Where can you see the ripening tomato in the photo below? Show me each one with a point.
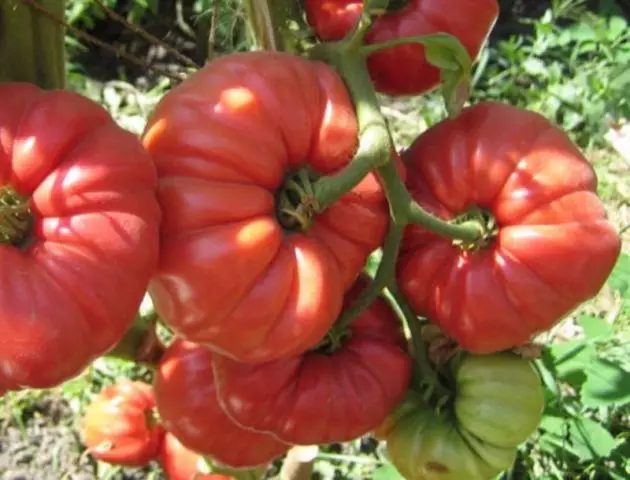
(424, 445)
(187, 403)
(120, 427)
(323, 396)
(549, 245)
(238, 275)
(404, 69)
(79, 233)
(499, 398)
(181, 463)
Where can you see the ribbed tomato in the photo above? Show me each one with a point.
(234, 275)
(404, 69)
(181, 463)
(549, 245)
(499, 398)
(323, 396)
(188, 407)
(119, 425)
(78, 233)
(424, 445)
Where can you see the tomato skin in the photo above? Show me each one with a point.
(554, 248)
(181, 463)
(319, 397)
(404, 70)
(230, 278)
(500, 399)
(118, 428)
(187, 403)
(69, 295)
(423, 445)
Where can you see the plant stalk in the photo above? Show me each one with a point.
(32, 44)
(273, 24)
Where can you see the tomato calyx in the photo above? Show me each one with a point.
(16, 217)
(334, 340)
(486, 224)
(296, 202)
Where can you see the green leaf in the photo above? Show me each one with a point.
(581, 437)
(620, 277)
(606, 384)
(595, 327)
(387, 472)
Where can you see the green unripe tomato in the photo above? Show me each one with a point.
(426, 446)
(499, 398)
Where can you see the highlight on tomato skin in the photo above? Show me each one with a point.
(85, 238)
(549, 245)
(224, 161)
(404, 70)
(119, 425)
(181, 463)
(188, 407)
(306, 400)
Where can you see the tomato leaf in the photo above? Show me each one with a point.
(387, 472)
(606, 384)
(620, 277)
(581, 437)
(595, 327)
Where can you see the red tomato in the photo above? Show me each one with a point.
(322, 397)
(554, 247)
(181, 463)
(71, 284)
(231, 277)
(404, 70)
(119, 425)
(189, 409)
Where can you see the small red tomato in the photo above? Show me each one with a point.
(549, 247)
(187, 403)
(404, 69)
(181, 463)
(323, 396)
(119, 426)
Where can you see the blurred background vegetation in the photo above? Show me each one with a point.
(567, 59)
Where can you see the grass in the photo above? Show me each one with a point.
(542, 72)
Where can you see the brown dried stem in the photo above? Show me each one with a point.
(146, 35)
(105, 46)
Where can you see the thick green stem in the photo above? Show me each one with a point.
(375, 146)
(32, 44)
(141, 343)
(428, 376)
(274, 24)
(468, 232)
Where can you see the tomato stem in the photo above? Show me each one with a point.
(444, 51)
(31, 44)
(141, 343)
(433, 388)
(374, 138)
(275, 24)
(16, 218)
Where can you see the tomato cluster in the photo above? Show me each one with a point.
(248, 209)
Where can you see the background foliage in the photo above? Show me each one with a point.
(567, 59)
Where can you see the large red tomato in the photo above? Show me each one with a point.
(119, 426)
(404, 69)
(323, 396)
(552, 247)
(78, 233)
(181, 463)
(187, 403)
(232, 276)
